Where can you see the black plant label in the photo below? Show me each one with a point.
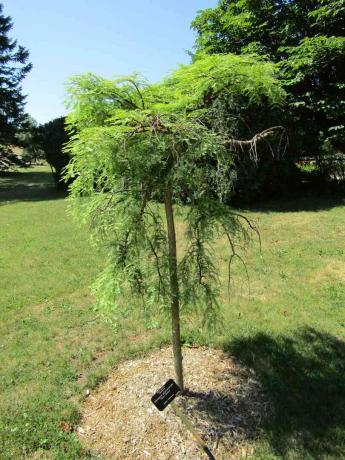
(167, 393)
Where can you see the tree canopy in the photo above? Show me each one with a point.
(133, 142)
(307, 40)
(14, 66)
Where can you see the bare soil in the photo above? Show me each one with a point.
(224, 403)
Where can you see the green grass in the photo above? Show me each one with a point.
(53, 345)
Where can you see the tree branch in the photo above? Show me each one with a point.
(258, 137)
(251, 143)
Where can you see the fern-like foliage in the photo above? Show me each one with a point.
(130, 142)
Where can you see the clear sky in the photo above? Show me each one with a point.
(107, 37)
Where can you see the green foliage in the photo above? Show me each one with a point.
(28, 139)
(133, 141)
(306, 38)
(52, 137)
(235, 26)
(314, 75)
(13, 68)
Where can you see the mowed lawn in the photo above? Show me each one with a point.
(287, 323)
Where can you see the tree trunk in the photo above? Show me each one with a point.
(174, 290)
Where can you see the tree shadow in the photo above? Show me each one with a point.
(28, 186)
(304, 377)
(311, 202)
(287, 390)
(230, 412)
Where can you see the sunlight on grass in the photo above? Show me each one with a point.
(54, 345)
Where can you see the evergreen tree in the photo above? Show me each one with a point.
(14, 66)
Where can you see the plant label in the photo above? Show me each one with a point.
(165, 394)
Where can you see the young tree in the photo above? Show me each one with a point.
(13, 68)
(135, 141)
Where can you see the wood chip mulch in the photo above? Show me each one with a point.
(224, 403)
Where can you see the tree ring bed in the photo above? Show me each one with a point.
(224, 402)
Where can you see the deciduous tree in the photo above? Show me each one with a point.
(306, 38)
(134, 141)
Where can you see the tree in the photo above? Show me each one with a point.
(51, 137)
(27, 138)
(134, 141)
(13, 68)
(306, 40)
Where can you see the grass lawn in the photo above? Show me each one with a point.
(289, 328)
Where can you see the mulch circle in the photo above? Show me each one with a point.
(224, 403)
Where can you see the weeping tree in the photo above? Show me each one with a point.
(135, 144)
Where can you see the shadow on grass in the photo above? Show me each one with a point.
(304, 377)
(28, 186)
(310, 203)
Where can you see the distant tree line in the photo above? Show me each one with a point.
(304, 39)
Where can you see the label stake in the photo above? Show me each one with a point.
(165, 396)
(185, 420)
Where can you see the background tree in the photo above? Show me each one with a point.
(133, 141)
(28, 139)
(51, 138)
(13, 68)
(306, 39)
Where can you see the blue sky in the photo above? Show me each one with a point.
(107, 37)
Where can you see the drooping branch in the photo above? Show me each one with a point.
(156, 257)
(258, 137)
(233, 254)
(251, 224)
(262, 136)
